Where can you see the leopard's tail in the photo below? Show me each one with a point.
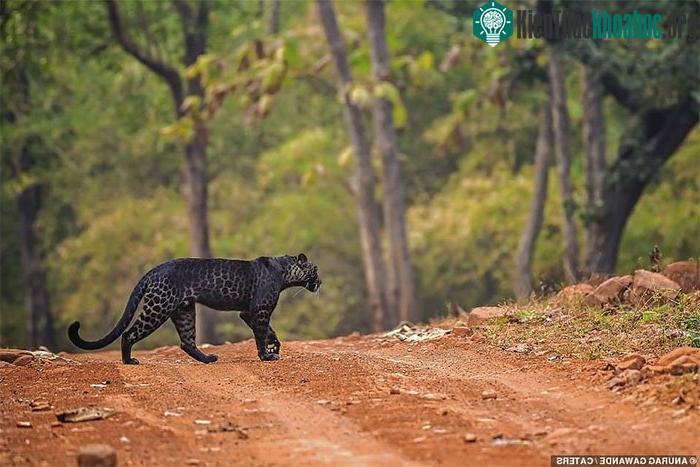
(131, 306)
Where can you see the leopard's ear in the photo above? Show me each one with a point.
(302, 258)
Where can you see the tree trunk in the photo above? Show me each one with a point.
(38, 319)
(273, 22)
(385, 133)
(522, 285)
(195, 178)
(560, 117)
(364, 183)
(648, 143)
(594, 144)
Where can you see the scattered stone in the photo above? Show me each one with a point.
(192, 462)
(124, 440)
(56, 424)
(470, 438)
(503, 440)
(440, 431)
(419, 439)
(631, 362)
(483, 314)
(84, 414)
(671, 356)
(202, 422)
(683, 364)
(461, 331)
(97, 455)
(678, 400)
(434, 397)
(489, 394)
(573, 293)
(38, 406)
(24, 360)
(685, 273)
(24, 424)
(653, 370)
(609, 292)
(169, 413)
(626, 378)
(409, 332)
(426, 427)
(323, 402)
(10, 355)
(519, 348)
(394, 391)
(648, 286)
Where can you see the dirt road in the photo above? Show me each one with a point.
(334, 402)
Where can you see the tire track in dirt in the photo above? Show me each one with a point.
(347, 401)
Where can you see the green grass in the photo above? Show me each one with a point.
(589, 333)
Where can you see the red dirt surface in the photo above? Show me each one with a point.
(334, 402)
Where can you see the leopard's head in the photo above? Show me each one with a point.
(301, 271)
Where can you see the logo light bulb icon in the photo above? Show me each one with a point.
(493, 21)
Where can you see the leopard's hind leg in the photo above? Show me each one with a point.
(184, 319)
(155, 313)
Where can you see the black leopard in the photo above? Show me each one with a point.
(170, 291)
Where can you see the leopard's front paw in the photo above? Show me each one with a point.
(131, 361)
(268, 357)
(210, 358)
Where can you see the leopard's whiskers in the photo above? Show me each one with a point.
(298, 291)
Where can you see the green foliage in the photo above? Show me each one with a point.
(109, 151)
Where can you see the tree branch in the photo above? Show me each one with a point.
(160, 68)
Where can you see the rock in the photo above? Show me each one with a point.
(192, 462)
(489, 394)
(685, 273)
(24, 360)
(482, 314)
(626, 378)
(573, 294)
(671, 356)
(610, 291)
(519, 348)
(684, 364)
(461, 331)
(649, 286)
(470, 438)
(653, 370)
(84, 414)
(394, 391)
(631, 362)
(24, 424)
(434, 397)
(97, 455)
(10, 355)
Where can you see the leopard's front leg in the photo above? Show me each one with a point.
(271, 343)
(261, 329)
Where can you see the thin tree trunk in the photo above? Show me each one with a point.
(195, 178)
(560, 116)
(522, 284)
(594, 144)
(385, 133)
(39, 318)
(273, 22)
(364, 183)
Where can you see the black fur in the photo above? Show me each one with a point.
(170, 291)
